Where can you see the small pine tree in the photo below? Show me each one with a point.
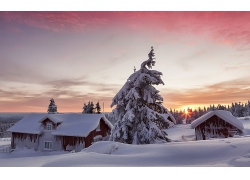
(91, 108)
(85, 107)
(52, 109)
(98, 108)
(139, 108)
(248, 108)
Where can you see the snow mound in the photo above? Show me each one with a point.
(216, 152)
(102, 147)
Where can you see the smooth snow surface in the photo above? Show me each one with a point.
(181, 132)
(225, 115)
(229, 152)
(183, 151)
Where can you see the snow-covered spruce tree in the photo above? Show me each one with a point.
(89, 109)
(247, 109)
(98, 108)
(52, 109)
(85, 107)
(139, 110)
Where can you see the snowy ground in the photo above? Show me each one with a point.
(183, 151)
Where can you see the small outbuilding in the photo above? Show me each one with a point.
(216, 124)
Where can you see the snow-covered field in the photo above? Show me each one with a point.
(183, 151)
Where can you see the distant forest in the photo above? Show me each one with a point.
(237, 110)
(181, 116)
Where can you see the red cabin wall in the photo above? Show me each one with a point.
(104, 131)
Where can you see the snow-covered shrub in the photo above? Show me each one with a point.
(97, 138)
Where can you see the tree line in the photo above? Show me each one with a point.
(189, 115)
(90, 108)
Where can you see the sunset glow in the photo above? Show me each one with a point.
(76, 57)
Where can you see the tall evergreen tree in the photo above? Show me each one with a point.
(139, 108)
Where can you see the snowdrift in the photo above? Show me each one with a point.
(221, 152)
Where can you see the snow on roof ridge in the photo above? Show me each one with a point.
(225, 115)
(107, 121)
(51, 117)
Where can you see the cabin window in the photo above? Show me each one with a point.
(48, 145)
(98, 127)
(49, 126)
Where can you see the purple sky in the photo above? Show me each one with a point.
(76, 57)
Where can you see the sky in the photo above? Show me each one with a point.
(80, 56)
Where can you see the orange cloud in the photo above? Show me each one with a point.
(40, 103)
(67, 100)
(222, 93)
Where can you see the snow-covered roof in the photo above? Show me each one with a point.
(72, 124)
(225, 115)
(78, 124)
(29, 124)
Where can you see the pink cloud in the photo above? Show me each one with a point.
(56, 21)
(230, 28)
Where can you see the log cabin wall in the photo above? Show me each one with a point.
(214, 127)
(90, 138)
(104, 129)
(87, 141)
(24, 140)
(72, 142)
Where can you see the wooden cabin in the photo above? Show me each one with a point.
(216, 124)
(56, 132)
